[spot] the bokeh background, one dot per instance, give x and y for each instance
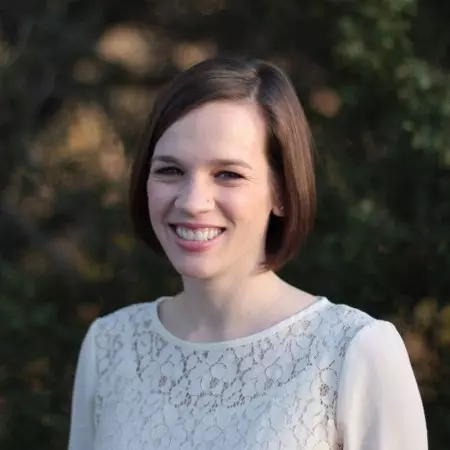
(77, 80)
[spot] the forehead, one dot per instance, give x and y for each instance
(215, 128)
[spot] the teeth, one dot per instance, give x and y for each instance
(200, 234)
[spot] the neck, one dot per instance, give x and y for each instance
(227, 299)
(218, 310)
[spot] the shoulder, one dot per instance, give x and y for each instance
(379, 342)
(344, 333)
(346, 314)
(115, 333)
(341, 322)
(124, 318)
(363, 339)
(125, 321)
(362, 329)
(378, 398)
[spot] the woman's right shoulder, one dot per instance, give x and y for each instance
(111, 337)
(123, 321)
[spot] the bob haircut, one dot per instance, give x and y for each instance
(288, 144)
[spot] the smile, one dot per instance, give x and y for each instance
(197, 234)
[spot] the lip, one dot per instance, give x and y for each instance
(194, 226)
(195, 246)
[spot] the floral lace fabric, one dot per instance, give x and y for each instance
(275, 390)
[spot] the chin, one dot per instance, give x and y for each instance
(198, 265)
(197, 271)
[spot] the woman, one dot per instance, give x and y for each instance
(223, 185)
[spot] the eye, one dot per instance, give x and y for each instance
(168, 171)
(228, 175)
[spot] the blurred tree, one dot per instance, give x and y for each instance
(77, 80)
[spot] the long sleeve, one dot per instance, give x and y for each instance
(82, 429)
(379, 405)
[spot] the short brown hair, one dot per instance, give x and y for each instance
(288, 144)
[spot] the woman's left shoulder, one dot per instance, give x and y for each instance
(344, 318)
(379, 340)
(367, 335)
(378, 396)
(357, 325)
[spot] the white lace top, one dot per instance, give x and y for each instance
(329, 377)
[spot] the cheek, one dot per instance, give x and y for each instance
(158, 198)
(250, 206)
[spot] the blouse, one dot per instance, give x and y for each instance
(328, 377)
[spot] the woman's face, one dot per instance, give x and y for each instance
(210, 192)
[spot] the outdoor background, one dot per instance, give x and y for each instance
(77, 80)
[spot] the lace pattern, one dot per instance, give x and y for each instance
(275, 392)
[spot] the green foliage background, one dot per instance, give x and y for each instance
(77, 78)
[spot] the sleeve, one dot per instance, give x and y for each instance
(379, 405)
(82, 429)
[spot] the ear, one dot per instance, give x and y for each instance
(277, 201)
(278, 210)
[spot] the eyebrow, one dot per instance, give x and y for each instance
(214, 162)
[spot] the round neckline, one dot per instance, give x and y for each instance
(317, 305)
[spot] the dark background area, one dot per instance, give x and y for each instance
(77, 80)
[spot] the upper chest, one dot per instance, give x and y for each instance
(266, 396)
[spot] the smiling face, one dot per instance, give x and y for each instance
(210, 192)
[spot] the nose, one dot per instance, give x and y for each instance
(194, 197)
